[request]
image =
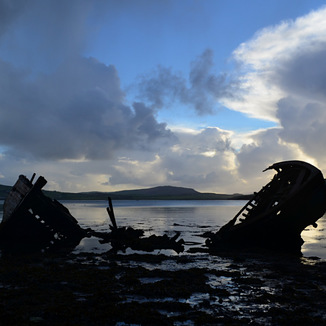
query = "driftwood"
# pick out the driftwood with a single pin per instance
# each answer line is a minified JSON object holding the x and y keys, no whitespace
{"x":122,"y":238}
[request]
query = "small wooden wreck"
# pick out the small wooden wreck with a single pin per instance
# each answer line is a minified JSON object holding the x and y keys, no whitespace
{"x":33,"y":222}
{"x":275,"y":216}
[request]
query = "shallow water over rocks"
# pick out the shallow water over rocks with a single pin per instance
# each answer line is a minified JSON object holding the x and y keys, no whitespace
{"x":190,"y":218}
{"x":92,"y":286}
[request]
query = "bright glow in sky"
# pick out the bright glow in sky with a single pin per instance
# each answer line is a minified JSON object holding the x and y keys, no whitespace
{"x":111,"y":95}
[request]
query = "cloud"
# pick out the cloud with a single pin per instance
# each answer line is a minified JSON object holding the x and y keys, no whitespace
{"x":266,"y":147}
{"x":204,"y":160}
{"x":60,"y":111}
{"x":162,"y":87}
{"x":206,"y":87}
{"x":304,"y":124}
{"x":55,"y":103}
{"x":38,"y":35}
{"x":272,"y":60}
{"x":76,"y":112}
{"x":282,"y":78}
{"x":65,"y":116}
{"x":199,"y":92}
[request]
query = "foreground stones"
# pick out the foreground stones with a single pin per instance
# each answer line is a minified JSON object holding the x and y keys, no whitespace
{"x":89,"y":289}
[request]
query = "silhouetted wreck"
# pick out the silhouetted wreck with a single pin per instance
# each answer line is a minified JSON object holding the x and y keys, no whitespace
{"x":32,"y":222}
{"x":275,"y":217}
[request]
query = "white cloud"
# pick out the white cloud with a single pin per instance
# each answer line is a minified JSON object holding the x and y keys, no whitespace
{"x":264,"y":62}
{"x":274,"y":44}
{"x":283,"y":79}
{"x":267,"y":147}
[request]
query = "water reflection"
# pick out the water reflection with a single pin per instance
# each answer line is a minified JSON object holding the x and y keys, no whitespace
{"x":190,"y":218}
{"x":315,"y":240}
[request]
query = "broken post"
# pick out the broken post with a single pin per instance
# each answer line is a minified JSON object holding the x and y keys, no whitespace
{"x":111,"y":213}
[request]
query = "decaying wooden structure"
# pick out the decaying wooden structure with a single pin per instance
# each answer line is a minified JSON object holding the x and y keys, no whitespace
{"x":275,"y":217}
{"x":32,"y":221}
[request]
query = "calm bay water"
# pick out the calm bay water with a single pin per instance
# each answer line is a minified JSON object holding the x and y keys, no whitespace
{"x":190,"y":218}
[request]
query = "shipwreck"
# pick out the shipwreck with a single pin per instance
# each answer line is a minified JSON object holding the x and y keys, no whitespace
{"x":276,"y":215}
{"x":273,"y":218}
{"x":33,"y":221}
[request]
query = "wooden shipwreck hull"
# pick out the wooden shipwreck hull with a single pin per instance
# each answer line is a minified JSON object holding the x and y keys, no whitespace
{"x":33,"y":220}
{"x":275,"y":217}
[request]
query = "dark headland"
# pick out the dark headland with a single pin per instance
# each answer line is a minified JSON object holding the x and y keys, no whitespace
{"x":155,"y":193}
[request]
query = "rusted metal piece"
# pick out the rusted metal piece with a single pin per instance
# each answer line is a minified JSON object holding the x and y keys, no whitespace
{"x":275,"y":217}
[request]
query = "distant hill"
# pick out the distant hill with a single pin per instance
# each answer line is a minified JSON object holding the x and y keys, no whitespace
{"x":170,"y":192}
{"x":161,"y":191}
{"x":158,"y":193}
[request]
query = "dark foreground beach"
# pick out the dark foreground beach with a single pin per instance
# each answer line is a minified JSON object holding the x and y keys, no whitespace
{"x":146,"y":289}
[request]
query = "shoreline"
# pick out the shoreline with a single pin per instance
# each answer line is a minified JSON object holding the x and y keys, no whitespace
{"x":104,"y":289}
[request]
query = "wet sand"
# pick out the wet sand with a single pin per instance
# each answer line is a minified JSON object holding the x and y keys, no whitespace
{"x":146,"y":289}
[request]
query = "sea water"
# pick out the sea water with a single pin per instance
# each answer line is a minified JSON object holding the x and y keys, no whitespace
{"x":191,"y":218}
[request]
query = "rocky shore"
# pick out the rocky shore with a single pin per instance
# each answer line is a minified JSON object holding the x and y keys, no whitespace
{"x":146,"y":289}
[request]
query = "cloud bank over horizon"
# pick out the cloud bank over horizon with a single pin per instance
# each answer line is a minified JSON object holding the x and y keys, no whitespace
{"x":66,"y":116}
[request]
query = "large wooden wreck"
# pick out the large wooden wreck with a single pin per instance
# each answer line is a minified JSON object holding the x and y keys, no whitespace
{"x":32,"y":222}
{"x":275,"y":216}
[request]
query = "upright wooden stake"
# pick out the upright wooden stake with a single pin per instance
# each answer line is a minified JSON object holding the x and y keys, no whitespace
{"x":111,"y":213}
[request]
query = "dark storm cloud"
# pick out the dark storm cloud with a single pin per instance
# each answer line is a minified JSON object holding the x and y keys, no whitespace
{"x":302,"y":113}
{"x":53,"y":102}
{"x":76,"y":112}
{"x":206,"y":87}
{"x":162,"y":87}
{"x":305,"y":72}
{"x":200,"y":92}
{"x":303,"y":124}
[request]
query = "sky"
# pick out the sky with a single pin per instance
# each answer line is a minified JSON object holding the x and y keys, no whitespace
{"x":113,"y":95}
